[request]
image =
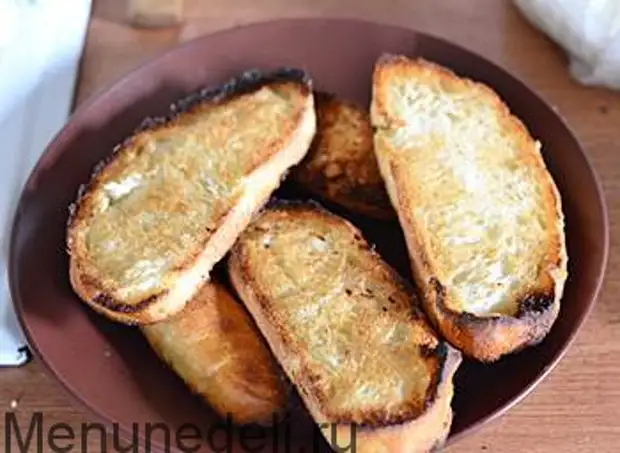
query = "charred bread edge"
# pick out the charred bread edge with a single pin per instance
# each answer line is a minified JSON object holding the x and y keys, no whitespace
{"x":475,"y":335}
{"x":245,"y":83}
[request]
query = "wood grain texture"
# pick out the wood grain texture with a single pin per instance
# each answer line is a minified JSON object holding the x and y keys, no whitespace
{"x":575,"y":410}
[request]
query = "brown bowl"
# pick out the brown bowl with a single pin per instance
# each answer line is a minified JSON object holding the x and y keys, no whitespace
{"x":109,"y":367}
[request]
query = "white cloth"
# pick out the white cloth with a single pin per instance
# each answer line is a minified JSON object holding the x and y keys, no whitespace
{"x":588,"y":30}
{"x":41,"y":42}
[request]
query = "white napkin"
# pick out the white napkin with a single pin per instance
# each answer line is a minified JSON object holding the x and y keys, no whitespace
{"x":588,"y":30}
{"x":41,"y":42}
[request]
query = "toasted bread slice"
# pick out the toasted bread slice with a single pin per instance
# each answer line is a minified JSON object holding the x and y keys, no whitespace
{"x":341,"y":166}
{"x":481,"y":214}
{"x":346,"y":329}
{"x":214,"y":346}
{"x":170,"y":202}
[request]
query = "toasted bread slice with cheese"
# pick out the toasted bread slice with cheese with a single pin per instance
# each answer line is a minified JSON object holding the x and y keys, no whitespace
{"x":481,"y":214}
{"x":341,"y":166}
{"x":214,"y":346}
{"x":170,"y":202}
{"x":346,"y":329}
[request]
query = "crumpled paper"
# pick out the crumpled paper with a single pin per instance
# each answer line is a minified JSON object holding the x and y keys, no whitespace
{"x":588,"y":30}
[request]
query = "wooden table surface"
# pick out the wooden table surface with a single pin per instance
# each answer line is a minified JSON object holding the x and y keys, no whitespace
{"x":577,"y":408}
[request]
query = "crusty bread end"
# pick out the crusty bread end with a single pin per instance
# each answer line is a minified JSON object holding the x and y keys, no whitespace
{"x":427,"y":433}
{"x":216,"y":349}
{"x":340,"y":166}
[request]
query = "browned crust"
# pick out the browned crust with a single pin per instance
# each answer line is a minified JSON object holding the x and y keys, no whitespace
{"x":484,"y":338}
{"x":426,"y":433}
{"x":489,"y":338}
{"x":347,"y":188}
{"x":88,"y":287}
{"x":279,"y":337}
{"x":116,"y":311}
{"x":250,"y":391}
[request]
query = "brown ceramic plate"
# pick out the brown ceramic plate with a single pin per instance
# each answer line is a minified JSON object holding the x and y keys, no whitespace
{"x":109,"y":367}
